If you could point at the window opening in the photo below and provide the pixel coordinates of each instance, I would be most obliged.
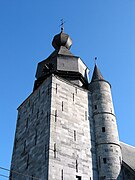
(54, 150)
(62, 105)
(74, 135)
(27, 163)
(24, 146)
(76, 166)
(85, 115)
(76, 90)
(99, 162)
(55, 115)
(27, 122)
(36, 137)
(104, 160)
(56, 88)
(78, 177)
(73, 97)
(95, 107)
(103, 129)
(37, 113)
(62, 177)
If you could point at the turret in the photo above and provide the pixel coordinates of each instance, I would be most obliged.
(106, 133)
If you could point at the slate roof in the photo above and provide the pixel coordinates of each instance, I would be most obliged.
(96, 74)
(128, 155)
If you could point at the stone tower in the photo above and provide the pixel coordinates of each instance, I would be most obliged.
(66, 129)
(106, 133)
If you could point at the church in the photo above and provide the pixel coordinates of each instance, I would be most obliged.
(67, 129)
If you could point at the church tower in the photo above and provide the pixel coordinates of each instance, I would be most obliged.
(66, 129)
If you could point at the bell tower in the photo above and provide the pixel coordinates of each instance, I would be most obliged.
(66, 129)
(53, 139)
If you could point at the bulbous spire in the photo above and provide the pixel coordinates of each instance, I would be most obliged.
(61, 39)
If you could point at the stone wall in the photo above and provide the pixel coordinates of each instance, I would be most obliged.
(72, 144)
(31, 146)
(54, 136)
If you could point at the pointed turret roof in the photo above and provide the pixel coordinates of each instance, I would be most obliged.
(96, 74)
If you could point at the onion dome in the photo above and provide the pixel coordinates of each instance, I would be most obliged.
(61, 39)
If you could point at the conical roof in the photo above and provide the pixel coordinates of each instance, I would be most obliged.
(96, 74)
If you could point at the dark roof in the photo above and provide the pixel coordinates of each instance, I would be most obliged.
(96, 74)
(128, 155)
(62, 39)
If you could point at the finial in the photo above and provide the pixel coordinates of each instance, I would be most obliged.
(95, 60)
(62, 25)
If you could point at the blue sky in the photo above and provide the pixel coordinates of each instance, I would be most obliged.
(102, 28)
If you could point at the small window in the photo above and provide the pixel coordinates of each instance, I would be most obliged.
(99, 162)
(37, 113)
(73, 97)
(62, 106)
(55, 115)
(85, 115)
(104, 160)
(54, 150)
(74, 135)
(32, 177)
(103, 129)
(78, 177)
(62, 174)
(76, 166)
(27, 122)
(56, 88)
(95, 107)
(47, 118)
(35, 137)
(27, 161)
(76, 90)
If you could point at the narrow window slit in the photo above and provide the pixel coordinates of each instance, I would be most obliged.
(47, 117)
(56, 88)
(27, 162)
(95, 107)
(86, 115)
(36, 137)
(99, 162)
(37, 113)
(103, 129)
(73, 97)
(74, 135)
(32, 108)
(62, 175)
(24, 146)
(62, 106)
(76, 166)
(55, 115)
(76, 90)
(54, 150)
(27, 122)
(45, 151)
(104, 160)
